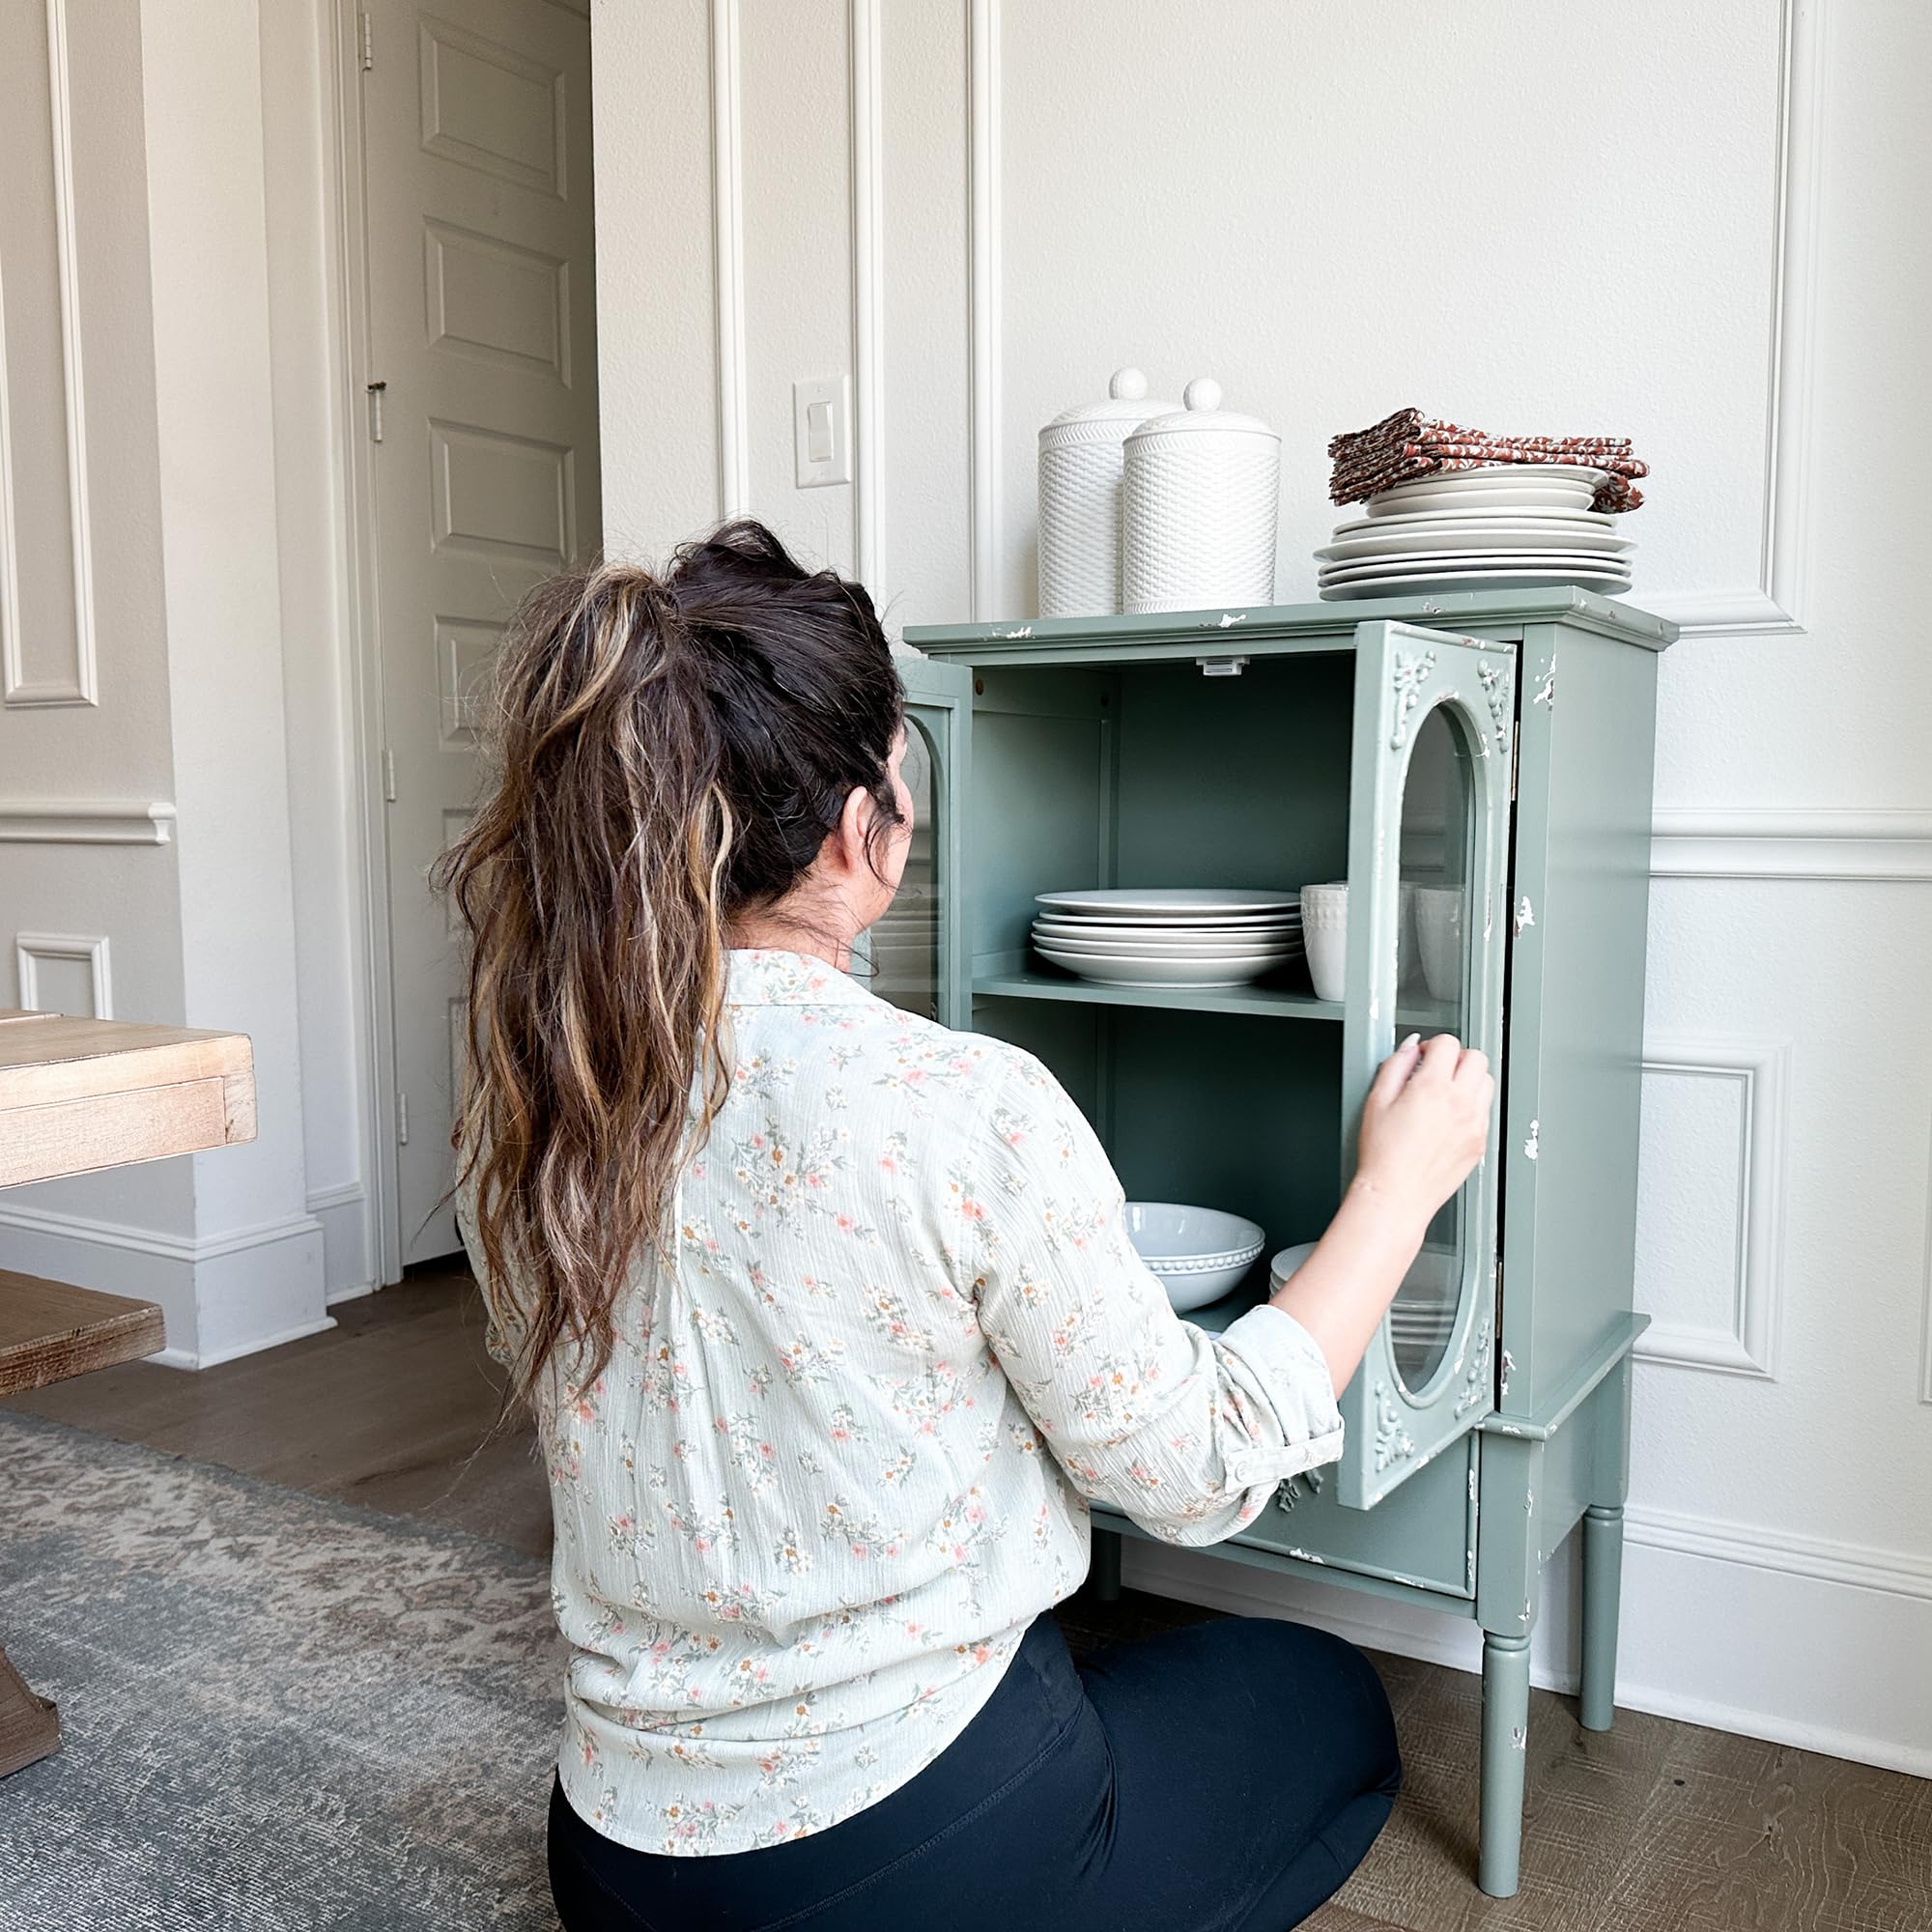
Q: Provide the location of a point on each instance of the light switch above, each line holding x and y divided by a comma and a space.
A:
821, 417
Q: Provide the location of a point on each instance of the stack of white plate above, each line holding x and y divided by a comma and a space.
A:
1506, 526
1183, 936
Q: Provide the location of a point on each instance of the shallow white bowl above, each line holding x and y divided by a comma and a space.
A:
1115, 971
1197, 1254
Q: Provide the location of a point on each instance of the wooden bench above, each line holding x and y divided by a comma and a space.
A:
78, 1095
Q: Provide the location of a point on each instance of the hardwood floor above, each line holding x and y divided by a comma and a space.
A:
1652, 1827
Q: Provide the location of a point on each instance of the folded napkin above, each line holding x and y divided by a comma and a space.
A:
1409, 444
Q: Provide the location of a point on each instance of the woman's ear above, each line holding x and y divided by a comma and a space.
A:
847, 845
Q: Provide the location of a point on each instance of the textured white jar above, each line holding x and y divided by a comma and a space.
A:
1201, 499
1080, 498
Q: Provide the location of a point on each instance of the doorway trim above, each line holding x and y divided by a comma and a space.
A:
339, 24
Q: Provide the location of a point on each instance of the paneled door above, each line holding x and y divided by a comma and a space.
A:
482, 353
1427, 921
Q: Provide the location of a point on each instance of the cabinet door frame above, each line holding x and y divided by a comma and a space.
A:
939, 705
1403, 673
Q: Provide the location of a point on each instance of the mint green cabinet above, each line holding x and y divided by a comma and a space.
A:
1478, 768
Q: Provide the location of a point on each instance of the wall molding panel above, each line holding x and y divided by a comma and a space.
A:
982, 94
86, 821
90, 950
1748, 843
1747, 1345
727, 257
18, 688
869, 297
1774, 605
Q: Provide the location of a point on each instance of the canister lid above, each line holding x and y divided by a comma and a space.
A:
1126, 407
1204, 411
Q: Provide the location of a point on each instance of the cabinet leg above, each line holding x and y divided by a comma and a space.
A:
1103, 1573
1505, 1753
1603, 1591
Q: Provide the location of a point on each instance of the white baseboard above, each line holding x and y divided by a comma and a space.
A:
1803, 1642
188, 1358
222, 1296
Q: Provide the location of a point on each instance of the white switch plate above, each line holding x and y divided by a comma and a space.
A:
821, 425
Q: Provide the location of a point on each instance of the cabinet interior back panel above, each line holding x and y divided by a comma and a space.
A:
1235, 781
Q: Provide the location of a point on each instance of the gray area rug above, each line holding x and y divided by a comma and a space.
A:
280, 1713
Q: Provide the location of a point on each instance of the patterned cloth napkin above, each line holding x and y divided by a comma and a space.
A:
1409, 444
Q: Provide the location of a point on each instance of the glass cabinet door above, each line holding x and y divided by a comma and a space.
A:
915, 950
1428, 896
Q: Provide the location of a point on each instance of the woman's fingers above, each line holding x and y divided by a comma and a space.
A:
1394, 1070
1439, 1057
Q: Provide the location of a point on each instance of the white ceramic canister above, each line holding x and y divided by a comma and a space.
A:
1080, 498
1201, 500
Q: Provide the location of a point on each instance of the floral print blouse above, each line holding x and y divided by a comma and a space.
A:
841, 1456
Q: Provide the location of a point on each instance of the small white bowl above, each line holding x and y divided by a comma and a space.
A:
1197, 1254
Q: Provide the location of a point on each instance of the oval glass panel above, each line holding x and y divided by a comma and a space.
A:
1433, 933
903, 941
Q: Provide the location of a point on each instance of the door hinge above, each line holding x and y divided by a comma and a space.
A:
402, 1118
376, 410
368, 32
389, 775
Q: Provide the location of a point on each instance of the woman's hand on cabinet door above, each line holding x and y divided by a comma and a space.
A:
1425, 1124
1424, 1129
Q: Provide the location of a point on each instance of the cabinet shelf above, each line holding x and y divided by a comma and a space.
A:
1270, 1001
1274, 1002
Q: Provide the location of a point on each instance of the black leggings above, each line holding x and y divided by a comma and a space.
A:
1227, 1776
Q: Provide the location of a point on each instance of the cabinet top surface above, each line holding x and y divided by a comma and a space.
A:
1222, 633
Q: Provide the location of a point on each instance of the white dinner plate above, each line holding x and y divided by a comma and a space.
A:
1166, 928
1075, 948
1484, 512
1511, 495
1165, 972
1498, 475
1475, 538
1167, 902
1451, 579
1611, 569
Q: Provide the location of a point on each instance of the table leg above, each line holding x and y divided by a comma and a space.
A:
1505, 1755
1603, 1588
29, 1725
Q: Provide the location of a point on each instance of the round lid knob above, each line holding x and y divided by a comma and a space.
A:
1126, 407
1204, 413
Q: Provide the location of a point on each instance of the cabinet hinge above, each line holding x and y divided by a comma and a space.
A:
376, 390
389, 775
402, 1118
1516, 760
367, 29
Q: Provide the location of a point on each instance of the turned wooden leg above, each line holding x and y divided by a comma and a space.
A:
1505, 1753
1103, 1573
29, 1725
1602, 1590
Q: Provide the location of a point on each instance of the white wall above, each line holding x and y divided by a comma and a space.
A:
150, 700
1704, 227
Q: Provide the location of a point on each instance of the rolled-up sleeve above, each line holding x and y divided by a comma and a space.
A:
1185, 1433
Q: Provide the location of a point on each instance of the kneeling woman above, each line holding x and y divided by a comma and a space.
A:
831, 1329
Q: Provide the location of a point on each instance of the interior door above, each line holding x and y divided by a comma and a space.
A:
1428, 913
917, 950
483, 472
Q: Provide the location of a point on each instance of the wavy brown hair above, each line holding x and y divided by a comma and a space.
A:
668, 753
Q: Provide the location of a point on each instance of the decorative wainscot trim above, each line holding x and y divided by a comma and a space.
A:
85, 821
30, 949
1756, 1070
